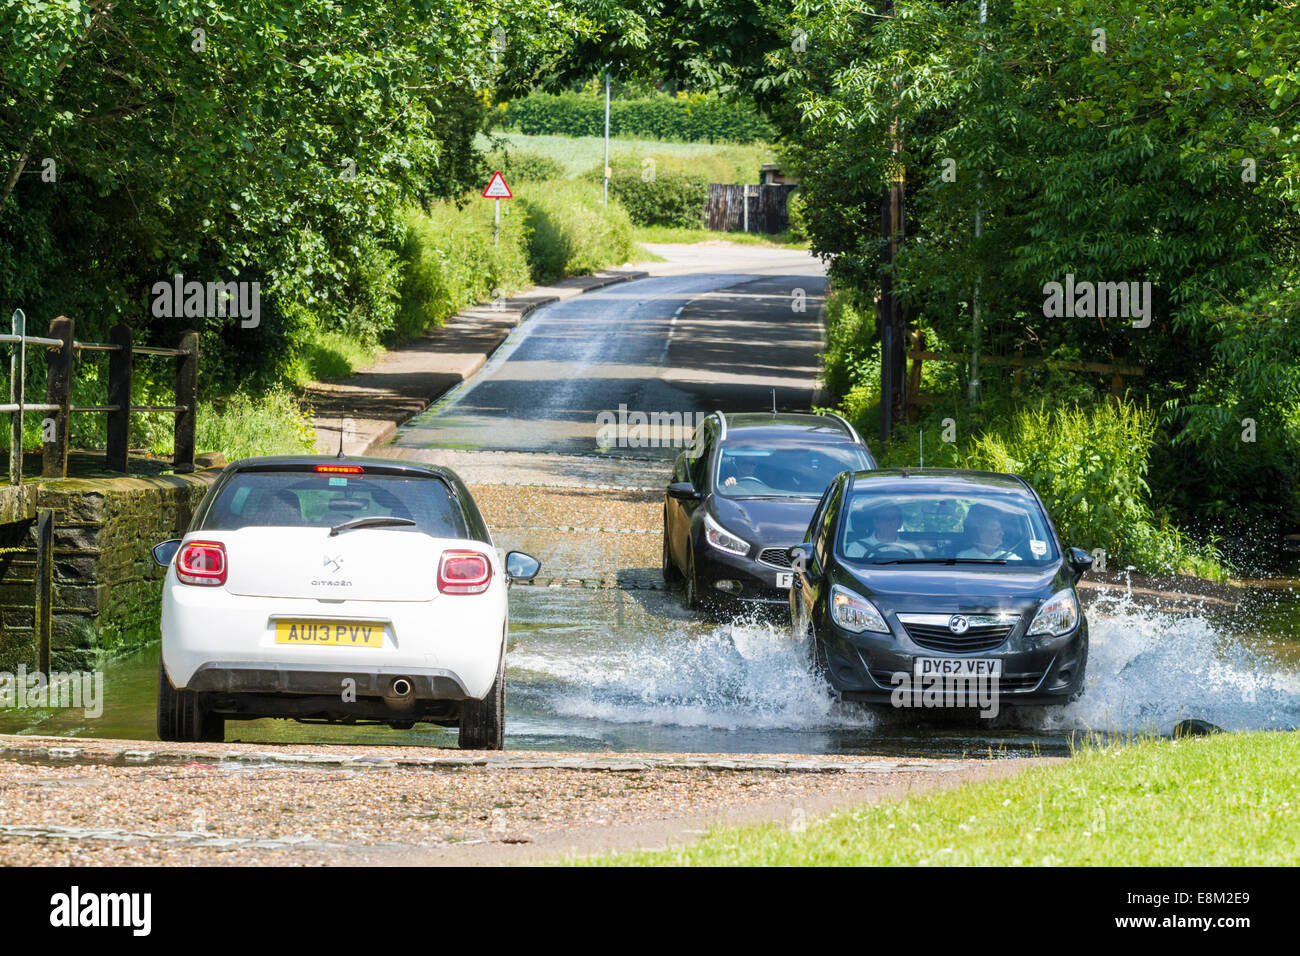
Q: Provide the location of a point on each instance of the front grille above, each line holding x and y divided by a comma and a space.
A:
1007, 683
938, 637
775, 557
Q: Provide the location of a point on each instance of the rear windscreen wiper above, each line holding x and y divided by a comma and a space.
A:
373, 521
942, 561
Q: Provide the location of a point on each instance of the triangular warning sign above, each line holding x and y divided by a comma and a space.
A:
497, 188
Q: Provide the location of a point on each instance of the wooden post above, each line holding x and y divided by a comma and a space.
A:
17, 386
58, 391
187, 395
916, 339
43, 616
119, 394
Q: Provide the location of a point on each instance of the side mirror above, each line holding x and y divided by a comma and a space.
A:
163, 553
521, 567
1080, 561
683, 491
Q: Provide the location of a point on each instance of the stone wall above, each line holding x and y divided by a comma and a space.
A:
106, 586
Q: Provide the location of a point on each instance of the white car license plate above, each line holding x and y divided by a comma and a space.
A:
785, 579
958, 667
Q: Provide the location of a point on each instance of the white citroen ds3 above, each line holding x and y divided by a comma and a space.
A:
332, 590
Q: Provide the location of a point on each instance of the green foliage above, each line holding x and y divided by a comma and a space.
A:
585, 155
686, 117
662, 199
795, 216
243, 425
450, 261
571, 232
525, 165
1089, 466
237, 140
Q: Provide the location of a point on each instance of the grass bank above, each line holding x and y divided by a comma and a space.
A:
671, 234
1225, 800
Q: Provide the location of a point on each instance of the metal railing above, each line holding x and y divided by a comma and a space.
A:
58, 394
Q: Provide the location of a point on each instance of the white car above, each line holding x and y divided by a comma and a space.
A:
335, 590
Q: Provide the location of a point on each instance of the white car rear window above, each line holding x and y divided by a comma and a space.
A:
309, 500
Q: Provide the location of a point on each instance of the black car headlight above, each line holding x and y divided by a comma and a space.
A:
855, 613
722, 539
1058, 615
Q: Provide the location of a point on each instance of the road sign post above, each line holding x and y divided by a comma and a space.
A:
497, 190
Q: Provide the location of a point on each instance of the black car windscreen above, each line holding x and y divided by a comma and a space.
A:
294, 499
886, 528
783, 470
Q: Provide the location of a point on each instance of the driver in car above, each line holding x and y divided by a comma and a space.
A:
743, 468
986, 533
884, 522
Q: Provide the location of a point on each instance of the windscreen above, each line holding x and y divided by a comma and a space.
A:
916, 528
288, 499
783, 471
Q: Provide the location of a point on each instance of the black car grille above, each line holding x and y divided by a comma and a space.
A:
938, 637
776, 557
1007, 683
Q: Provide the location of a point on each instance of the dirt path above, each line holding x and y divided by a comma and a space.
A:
93, 802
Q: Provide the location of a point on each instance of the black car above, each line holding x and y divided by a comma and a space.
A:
906, 576
741, 496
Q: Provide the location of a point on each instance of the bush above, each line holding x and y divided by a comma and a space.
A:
852, 356
685, 117
571, 233
525, 165
241, 426
451, 262
667, 199
798, 225
1089, 466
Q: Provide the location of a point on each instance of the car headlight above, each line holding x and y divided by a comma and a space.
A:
722, 539
855, 613
1058, 615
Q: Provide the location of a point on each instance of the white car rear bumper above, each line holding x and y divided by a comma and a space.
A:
449, 647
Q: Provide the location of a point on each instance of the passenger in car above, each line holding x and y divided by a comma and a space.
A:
985, 531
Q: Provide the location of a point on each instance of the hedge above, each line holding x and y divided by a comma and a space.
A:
686, 118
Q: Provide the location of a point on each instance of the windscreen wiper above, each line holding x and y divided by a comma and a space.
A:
942, 561
373, 521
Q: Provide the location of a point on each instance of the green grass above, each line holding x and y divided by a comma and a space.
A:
582, 154
328, 354
674, 234
1228, 799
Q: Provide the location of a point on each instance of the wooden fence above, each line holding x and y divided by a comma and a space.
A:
58, 394
747, 208
1019, 362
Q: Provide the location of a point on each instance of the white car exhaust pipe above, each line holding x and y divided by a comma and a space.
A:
401, 694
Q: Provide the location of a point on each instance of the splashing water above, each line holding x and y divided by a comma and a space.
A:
743, 675
1148, 669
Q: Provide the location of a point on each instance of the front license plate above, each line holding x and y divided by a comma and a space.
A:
785, 580
957, 667
334, 633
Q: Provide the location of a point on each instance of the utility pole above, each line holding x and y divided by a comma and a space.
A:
973, 386
891, 319
605, 198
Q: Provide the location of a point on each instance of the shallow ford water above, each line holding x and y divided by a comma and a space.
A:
630, 670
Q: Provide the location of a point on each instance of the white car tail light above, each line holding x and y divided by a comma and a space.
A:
464, 572
202, 562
